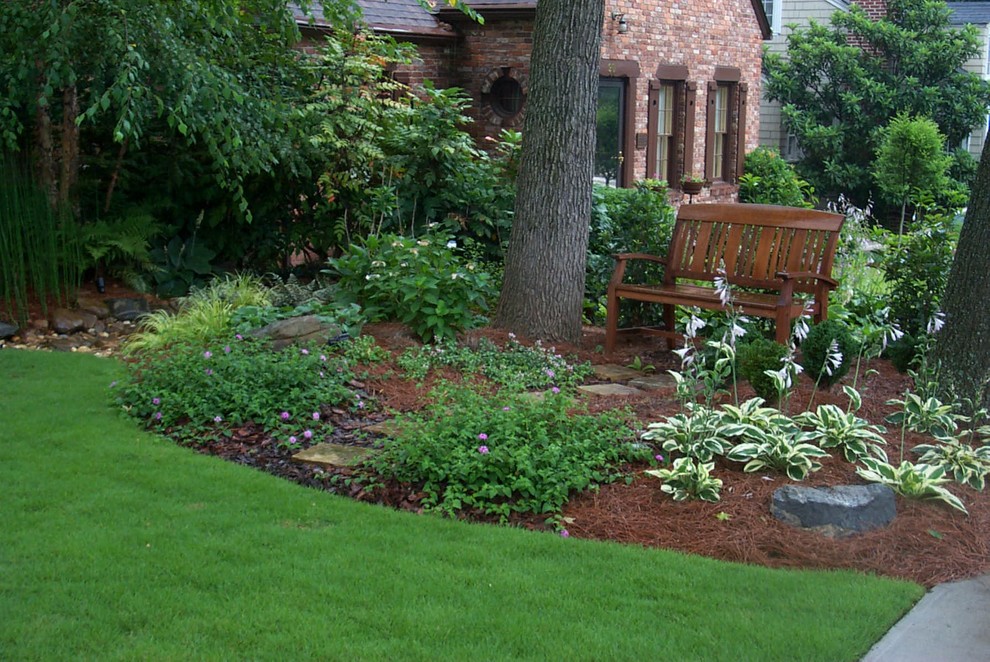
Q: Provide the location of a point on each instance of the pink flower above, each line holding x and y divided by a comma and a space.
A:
316, 415
305, 352
659, 458
323, 357
226, 349
292, 440
207, 354
555, 390
506, 408
483, 450
239, 337
360, 404
285, 415
564, 533
156, 401
483, 436
549, 373
158, 416
308, 434
217, 419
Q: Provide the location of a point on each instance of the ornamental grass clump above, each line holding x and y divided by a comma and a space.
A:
511, 453
185, 389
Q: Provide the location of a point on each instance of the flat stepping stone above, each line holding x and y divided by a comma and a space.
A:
616, 373
653, 382
332, 455
386, 428
610, 389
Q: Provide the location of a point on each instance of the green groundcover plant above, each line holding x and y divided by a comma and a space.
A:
191, 389
512, 453
514, 366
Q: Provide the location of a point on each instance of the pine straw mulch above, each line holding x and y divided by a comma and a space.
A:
928, 542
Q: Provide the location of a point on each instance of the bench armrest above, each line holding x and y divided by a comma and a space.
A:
620, 265
785, 275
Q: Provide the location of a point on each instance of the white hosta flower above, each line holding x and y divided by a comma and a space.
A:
801, 329
377, 263
722, 289
694, 325
891, 334
451, 244
372, 276
686, 355
833, 359
936, 323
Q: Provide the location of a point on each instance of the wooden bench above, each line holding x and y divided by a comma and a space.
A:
778, 250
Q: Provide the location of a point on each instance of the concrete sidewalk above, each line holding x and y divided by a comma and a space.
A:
951, 623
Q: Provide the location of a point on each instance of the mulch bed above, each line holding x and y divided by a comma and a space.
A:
928, 542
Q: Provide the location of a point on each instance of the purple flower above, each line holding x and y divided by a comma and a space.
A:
360, 404
555, 390
483, 436
322, 375
549, 373
659, 458
239, 337
156, 401
208, 371
305, 352
316, 415
308, 434
323, 357
483, 450
285, 416
207, 354
292, 440
158, 416
564, 533
217, 419
506, 408
226, 349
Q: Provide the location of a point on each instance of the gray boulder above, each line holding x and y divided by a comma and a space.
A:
298, 331
128, 309
7, 330
835, 511
64, 320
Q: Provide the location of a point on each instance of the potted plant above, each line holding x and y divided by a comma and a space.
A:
692, 184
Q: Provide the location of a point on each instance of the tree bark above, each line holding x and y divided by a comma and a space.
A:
962, 347
543, 291
69, 171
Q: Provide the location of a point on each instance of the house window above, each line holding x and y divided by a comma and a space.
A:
772, 9
670, 124
725, 142
506, 96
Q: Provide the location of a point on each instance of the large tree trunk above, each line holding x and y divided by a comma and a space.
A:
543, 291
963, 346
69, 171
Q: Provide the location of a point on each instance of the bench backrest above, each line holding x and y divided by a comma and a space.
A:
752, 243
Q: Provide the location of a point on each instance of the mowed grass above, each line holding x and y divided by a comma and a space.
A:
116, 544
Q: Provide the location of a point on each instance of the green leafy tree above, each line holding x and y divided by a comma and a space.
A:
840, 83
910, 159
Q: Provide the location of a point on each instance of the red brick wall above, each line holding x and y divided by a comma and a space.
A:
874, 8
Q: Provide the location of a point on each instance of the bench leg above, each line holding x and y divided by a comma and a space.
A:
783, 327
611, 323
668, 324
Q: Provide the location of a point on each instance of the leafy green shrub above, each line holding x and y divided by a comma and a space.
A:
769, 179
514, 366
916, 265
504, 455
421, 283
828, 351
181, 265
626, 220
689, 479
191, 388
754, 358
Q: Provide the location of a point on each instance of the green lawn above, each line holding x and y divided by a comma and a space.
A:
120, 545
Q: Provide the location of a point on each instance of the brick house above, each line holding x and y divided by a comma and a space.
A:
677, 78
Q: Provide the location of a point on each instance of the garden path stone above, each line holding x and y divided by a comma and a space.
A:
616, 373
332, 455
384, 428
610, 389
837, 511
653, 382
128, 308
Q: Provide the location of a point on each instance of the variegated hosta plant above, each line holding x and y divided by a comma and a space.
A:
967, 465
699, 433
688, 479
914, 481
924, 415
834, 428
785, 449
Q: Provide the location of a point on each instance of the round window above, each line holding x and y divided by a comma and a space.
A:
506, 96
